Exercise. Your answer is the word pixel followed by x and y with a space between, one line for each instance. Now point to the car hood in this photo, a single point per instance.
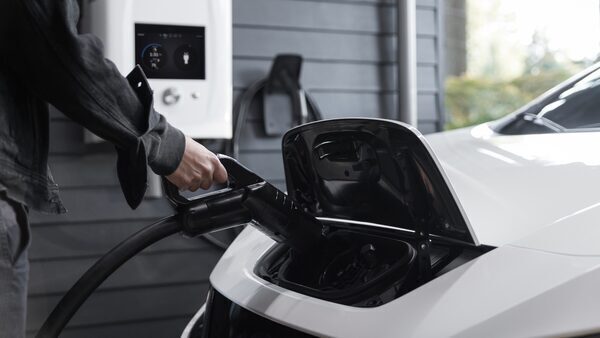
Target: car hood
pixel 513 186
pixel 373 171
pixel 543 284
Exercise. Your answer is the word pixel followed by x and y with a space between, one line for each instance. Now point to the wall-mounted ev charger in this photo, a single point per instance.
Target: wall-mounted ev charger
pixel 185 49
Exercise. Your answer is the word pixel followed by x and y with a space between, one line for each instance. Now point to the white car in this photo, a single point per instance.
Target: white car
pixel 491 231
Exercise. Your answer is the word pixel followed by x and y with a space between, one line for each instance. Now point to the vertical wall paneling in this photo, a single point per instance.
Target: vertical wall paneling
pixel 349 48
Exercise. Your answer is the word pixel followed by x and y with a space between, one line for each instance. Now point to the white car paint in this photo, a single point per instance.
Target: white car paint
pixel 512 186
pixel 500 294
pixel 577 235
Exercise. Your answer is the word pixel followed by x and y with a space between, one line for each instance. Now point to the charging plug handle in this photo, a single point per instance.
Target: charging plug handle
pixel 218 213
pixel 261 205
pixel 248 199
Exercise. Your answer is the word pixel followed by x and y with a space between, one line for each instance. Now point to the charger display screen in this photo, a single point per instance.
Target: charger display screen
pixel 171 52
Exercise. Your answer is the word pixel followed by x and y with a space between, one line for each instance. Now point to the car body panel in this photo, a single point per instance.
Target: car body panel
pixel 512 186
pixel 577 234
pixel 506 292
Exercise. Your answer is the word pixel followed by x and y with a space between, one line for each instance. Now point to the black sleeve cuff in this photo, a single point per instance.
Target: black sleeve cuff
pixel 161 146
pixel 165 146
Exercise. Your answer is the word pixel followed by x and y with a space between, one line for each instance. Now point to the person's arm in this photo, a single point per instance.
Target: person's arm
pixel 69 70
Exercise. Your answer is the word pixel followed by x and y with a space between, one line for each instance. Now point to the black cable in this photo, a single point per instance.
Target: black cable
pixel 242 108
pixel 103 268
pixel 314 108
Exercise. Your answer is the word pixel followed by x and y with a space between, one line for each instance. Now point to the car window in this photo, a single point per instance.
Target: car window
pixel 577 107
pixel 573 105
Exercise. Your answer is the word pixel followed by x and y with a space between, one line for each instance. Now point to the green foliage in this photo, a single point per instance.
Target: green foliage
pixel 474 100
pixel 488 95
pixel 534 85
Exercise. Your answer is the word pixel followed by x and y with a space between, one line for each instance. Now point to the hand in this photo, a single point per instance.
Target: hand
pixel 198 168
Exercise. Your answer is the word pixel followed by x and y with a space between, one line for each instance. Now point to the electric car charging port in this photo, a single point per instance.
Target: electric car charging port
pixel 359 266
pixel 353 269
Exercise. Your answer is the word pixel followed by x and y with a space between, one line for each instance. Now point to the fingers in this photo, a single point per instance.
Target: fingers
pixel 212 171
pixel 200 183
pixel 220 174
pixel 198 168
pixel 191 184
pixel 177 181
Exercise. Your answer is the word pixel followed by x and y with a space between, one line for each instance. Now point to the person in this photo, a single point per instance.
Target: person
pixel 43 59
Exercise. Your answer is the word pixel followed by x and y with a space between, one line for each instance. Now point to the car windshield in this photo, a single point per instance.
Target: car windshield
pixel 574 107
pixel 577 107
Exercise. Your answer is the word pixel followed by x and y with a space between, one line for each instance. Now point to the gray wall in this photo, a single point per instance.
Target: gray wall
pixel 455 37
pixel 348 47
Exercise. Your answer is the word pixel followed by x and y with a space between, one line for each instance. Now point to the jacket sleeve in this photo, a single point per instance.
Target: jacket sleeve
pixel 68 70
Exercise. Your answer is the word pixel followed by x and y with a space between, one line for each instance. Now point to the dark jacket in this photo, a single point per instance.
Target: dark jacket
pixel 44 59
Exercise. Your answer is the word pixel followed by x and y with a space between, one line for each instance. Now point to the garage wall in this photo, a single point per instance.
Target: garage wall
pixel 348 47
